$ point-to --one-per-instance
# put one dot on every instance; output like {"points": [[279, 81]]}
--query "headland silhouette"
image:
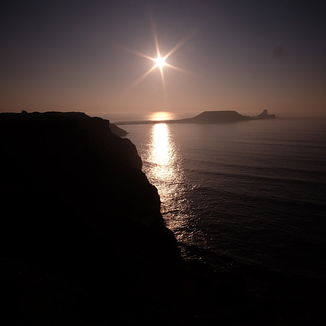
{"points": [[208, 117]]}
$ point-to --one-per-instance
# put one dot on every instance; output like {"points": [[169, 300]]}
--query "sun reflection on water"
{"points": [[162, 153], [164, 171]]}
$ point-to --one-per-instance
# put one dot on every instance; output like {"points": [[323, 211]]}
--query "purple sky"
{"points": [[234, 55]]}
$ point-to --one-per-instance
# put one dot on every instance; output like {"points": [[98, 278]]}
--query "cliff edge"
{"points": [[74, 200], [83, 241]]}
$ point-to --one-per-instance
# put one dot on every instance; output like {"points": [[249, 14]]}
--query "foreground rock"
{"points": [[117, 131], [82, 238]]}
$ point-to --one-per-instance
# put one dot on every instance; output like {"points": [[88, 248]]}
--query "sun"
{"points": [[160, 116], [160, 62]]}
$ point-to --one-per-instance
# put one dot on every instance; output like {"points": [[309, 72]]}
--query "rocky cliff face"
{"points": [[74, 200], [64, 171], [82, 237]]}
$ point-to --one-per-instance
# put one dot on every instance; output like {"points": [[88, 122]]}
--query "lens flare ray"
{"points": [[160, 61]]}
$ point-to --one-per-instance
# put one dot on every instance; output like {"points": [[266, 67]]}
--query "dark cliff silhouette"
{"points": [[69, 171], [82, 237], [213, 117], [83, 241], [118, 131]]}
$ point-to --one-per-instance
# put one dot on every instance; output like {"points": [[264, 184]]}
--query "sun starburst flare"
{"points": [[160, 62]]}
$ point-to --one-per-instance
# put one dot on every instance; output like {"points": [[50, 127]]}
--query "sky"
{"points": [[95, 56]]}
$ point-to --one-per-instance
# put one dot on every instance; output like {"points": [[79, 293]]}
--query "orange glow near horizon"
{"points": [[161, 116]]}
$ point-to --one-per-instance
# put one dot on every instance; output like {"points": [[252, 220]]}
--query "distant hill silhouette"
{"points": [[216, 117], [210, 117]]}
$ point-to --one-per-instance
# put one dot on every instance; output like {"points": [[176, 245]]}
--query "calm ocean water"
{"points": [[249, 193]]}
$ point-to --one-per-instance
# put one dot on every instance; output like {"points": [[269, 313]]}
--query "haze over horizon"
{"points": [[95, 56]]}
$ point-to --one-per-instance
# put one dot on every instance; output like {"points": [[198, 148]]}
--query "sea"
{"points": [[246, 197]]}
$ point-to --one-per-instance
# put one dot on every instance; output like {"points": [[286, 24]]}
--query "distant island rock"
{"points": [[213, 117], [264, 115]]}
